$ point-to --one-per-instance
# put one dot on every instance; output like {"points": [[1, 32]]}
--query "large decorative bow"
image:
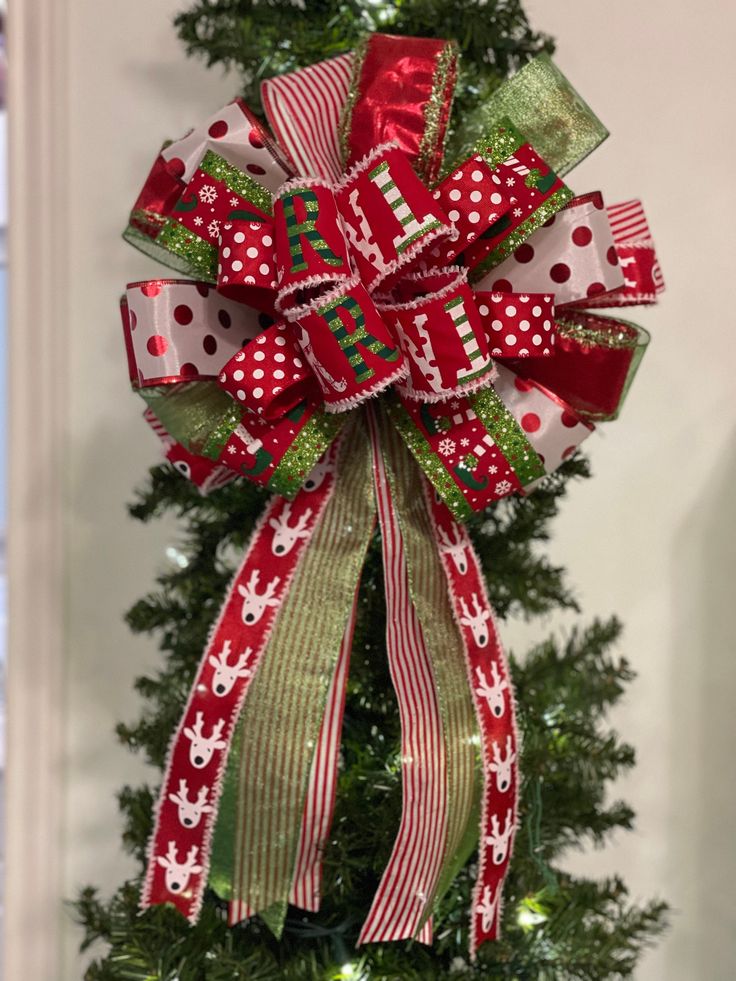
{"points": [[314, 295]]}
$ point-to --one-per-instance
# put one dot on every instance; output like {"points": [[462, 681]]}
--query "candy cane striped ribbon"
{"points": [[410, 878], [304, 109]]}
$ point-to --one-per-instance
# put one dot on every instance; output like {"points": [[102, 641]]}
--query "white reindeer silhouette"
{"points": [[630, 260], [179, 873], [499, 840], [493, 693], [476, 621], [501, 765], [455, 548], [190, 811], [203, 747], [486, 908], [316, 476], [286, 537], [255, 603], [305, 343], [225, 675]]}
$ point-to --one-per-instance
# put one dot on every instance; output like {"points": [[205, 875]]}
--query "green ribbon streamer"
{"points": [[259, 821], [428, 589], [540, 100], [199, 415]]}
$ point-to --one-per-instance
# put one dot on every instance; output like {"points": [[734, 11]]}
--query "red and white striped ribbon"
{"points": [[411, 875], [631, 230], [304, 110], [306, 887], [628, 222]]}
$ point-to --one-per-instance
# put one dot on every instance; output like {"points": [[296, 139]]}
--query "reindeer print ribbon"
{"points": [[358, 326], [195, 768]]}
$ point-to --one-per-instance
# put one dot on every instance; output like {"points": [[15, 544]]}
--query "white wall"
{"points": [[651, 538]]}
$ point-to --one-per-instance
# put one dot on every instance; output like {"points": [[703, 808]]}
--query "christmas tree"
{"points": [[556, 925]]}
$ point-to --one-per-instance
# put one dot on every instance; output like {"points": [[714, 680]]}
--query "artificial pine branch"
{"points": [[249, 36]]}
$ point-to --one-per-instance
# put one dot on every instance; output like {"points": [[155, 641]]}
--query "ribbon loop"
{"points": [[177, 330], [518, 325], [442, 337], [270, 376], [311, 251], [390, 216], [572, 256], [535, 192], [401, 92], [474, 199], [349, 348], [246, 269]]}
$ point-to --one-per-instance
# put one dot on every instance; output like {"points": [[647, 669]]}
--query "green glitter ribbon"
{"points": [[260, 813], [508, 435], [497, 145], [540, 100], [309, 445], [199, 415], [427, 459]]}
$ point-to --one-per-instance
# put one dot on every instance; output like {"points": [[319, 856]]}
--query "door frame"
{"points": [[38, 315]]}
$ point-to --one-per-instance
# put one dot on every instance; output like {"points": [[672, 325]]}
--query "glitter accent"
{"points": [[508, 436], [554, 203], [199, 257], [308, 446], [504, 140], [151, 247], [428, 460], [346, 119], [545, 106], [235, 180], [437, 113], [607, 332]]}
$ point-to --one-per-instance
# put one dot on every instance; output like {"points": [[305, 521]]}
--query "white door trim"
{"points": [[33, 910]]}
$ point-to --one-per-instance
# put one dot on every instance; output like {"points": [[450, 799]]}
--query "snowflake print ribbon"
{"points": [[354, 314]]}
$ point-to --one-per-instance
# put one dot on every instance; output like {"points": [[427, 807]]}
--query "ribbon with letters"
{"points": [[358, 321]]}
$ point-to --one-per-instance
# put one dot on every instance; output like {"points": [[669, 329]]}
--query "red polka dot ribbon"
{"points": [[329, 275]]}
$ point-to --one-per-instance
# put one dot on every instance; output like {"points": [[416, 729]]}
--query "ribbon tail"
{"points": [[493, 697], [436, 714], [306, 887], [283, 722], [180, 846]]}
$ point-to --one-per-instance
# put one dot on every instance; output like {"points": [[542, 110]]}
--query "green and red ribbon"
{"points": [[353, 331]]}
